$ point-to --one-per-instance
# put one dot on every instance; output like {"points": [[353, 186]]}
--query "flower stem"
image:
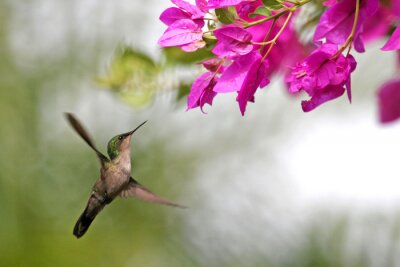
{"points": [[218, 68], [264, 41], [267, 35], [295, 2], [350, 38], [273, 41], [261, 43], [277, 15]]}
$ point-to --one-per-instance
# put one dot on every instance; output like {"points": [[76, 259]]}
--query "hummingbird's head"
{"points": [[120, 143]]}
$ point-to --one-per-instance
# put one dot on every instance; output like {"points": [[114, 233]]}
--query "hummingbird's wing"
{"points": [[134, 189], [84, 134]]}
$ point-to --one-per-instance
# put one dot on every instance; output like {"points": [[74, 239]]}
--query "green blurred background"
{"points": [[275, 188]]}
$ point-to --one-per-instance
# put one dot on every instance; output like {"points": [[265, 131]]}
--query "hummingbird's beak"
{"points": [[131, 132]]}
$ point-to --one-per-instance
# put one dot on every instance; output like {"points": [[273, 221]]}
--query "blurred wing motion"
{"points": [[134, 189], [85, 136]]}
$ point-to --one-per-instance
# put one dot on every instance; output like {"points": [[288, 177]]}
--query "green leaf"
{"points": [[211, 25], [175, 55], [226, 16], [138, 99], [272, 4], [210, 40], [132, 75], [260, 11], [183, 90], [233, 11]]}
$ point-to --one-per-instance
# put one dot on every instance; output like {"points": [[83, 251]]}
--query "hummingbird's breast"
{"points": [[116, 177]]}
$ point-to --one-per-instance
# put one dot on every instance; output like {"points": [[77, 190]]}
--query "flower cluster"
{"points": [[324, 75], [251, 40]]}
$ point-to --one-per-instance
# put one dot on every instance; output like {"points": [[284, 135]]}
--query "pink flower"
{"points": [[172, 14], [213, 65], [288, 49], [389, 101], [234, 75], [225, 3], [194, 11], [184, 11], [202, 92], [395, 7], [245, 8], [202, 5], [394, 41], [321, 96], [256, 77], [337, 21], [329, 2], [323, 75], [232, 42], [244, 76], [377, 26], [183, 33]]}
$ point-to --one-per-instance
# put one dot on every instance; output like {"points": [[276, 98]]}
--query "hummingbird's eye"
{"points": [[119, 137]]}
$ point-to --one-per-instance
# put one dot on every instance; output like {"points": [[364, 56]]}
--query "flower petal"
{"points": [[232, 78], [352, 66], [193, 46], [198, 87], [336, 22], [224, 3], [323, 75], [321, 96], [202, 92], [202, 5], [254, 77], [394, 41], [329, 2], [232, 41], [208, 96], [181, 32], [389, 101], [213, 65], [172, 14], [376, 26], [192, 9]]}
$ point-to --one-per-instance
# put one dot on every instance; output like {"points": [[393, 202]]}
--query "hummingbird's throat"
{"points": [[124, 161]]}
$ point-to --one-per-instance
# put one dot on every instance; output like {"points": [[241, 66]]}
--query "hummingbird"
{"points": [[115, 177]]}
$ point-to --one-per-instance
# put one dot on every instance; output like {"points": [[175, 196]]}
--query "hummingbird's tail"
{"points": [[95, 204], [82, 224]]}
